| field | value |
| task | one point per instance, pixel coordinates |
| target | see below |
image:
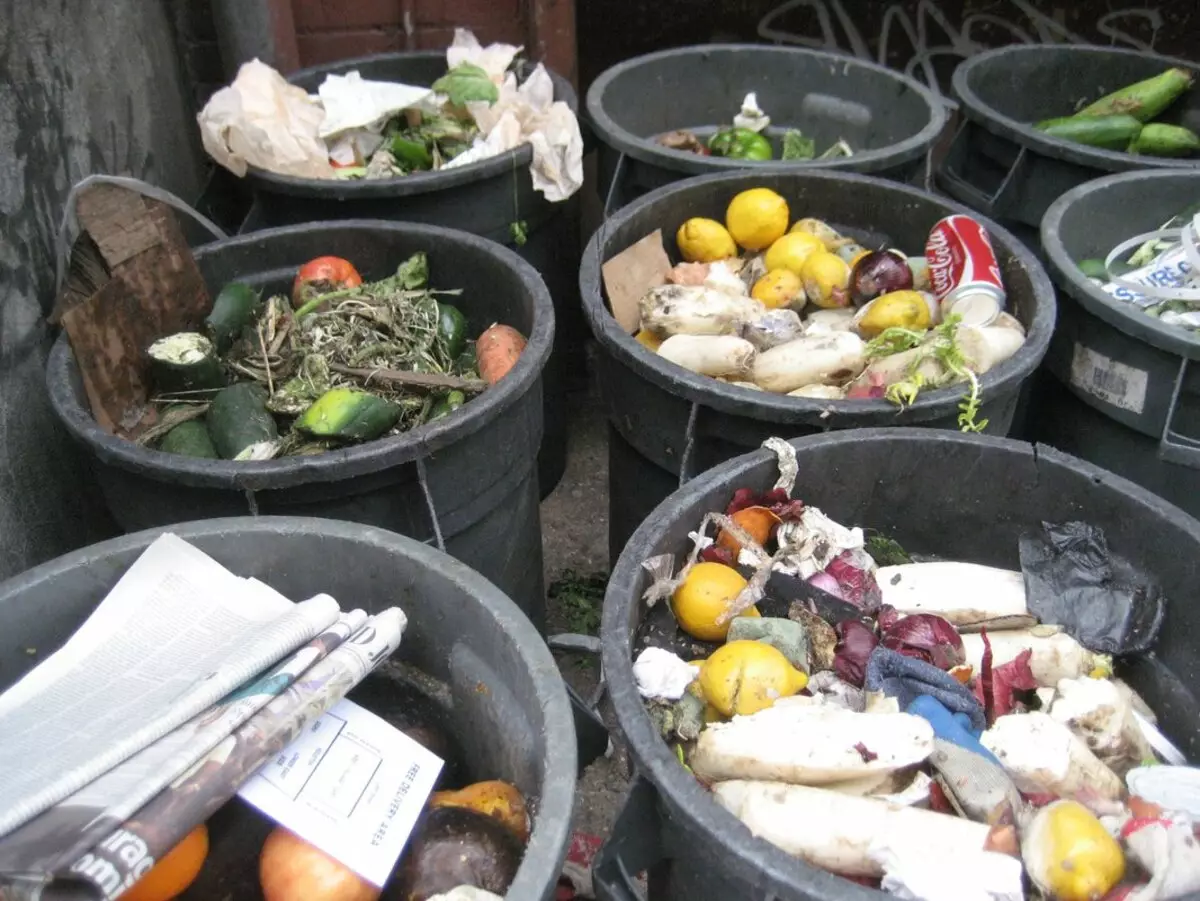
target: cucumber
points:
(238, 418)
(232, 312)
(191, 439)
(452, 329)
(1145, 99)
(1108, 132)
(348, 415)
(467, 365)
(447, 404)
(184, 363)
(1159, 139)
(1094, 269)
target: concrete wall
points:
(84, 87)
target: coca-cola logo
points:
(940, 257)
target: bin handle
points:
(988, 204)
(1174, 447)
(613, 193)
(635, 844)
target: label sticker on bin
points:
(1112, 382)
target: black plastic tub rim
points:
(648, 150)
(734, 399)
(555, 799)
(341, 463)
(1122, 316)
(622, 612)
(1057, 148)
(510, 161)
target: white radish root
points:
(713, 355)
(819, 359)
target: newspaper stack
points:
(177, 689)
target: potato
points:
(811, 360)
(713, 355)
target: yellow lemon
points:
(757, 218)
(648, 339)
(790, 251)
(830, 238)
(744, 677)
(778, 288)
(826, 277)
(705, 594)
(704, 241)
(898, 309)
(1070, 855)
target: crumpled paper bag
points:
(523, 114)
(261, 120)
(356, 111)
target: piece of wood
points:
(415, 379)
(633, 272)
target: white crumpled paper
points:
(523, 114)
(661, 675)
(911, 872)
(261, 120)
(356, 111)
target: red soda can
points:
(964, 274)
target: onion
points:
(856, 641)
(879, 272)
(927, 637)
(290, 869)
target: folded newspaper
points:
(184, 681)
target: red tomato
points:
(321, 275)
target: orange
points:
(758, 522)
(173, 873)
(705, 594)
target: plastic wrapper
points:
(909, 871)
(833, 691)
(1073, 580)
(1169, 852)
(1175, 788)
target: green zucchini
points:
(452, 329)
(1107, 132)
(232, 313)
(184, 363)
(348, 415)
(238, 418)
(447, 404)
(1160, 139)
(191, 439)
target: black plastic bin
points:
(506, 705)
(999, 165)
(484, 198)
(889, 120)
(962, 497)
(654, 406)
(1126, 387)
(478, 463)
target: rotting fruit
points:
(705, 594)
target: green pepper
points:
(413, 154)
(452, 329)
(740, 144)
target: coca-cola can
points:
(964, 274)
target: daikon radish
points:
(1008, 320)
(773, 328)
(1055, 655)
(822, 392)
(811, 745)
(899, 367)
(709, 354)
(834, 831)
(969, 595)
(819, 359)
(824, 322)
(986, 348)
(1042, 756)
(690, 310)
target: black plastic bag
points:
(1073, 580)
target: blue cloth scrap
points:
(907, 678)
(952, 727)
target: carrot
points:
(497, 351)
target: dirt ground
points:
(575, 543)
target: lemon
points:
(898, 309)
(705, 594)
(826, 277)
(704, 241)
(790, 251)
(778, 288)
(824, 232)
(744, 677)
(648, 339)
(1069, 853)
(757, 218)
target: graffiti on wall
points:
(925, 42)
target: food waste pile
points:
(936, 728)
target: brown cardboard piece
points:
(633, 272)
(154, 290)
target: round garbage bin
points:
(667, 423)
(468, 480)
(1001, 166)
(1126, 395)
(485, 198)
(889, 120)
(503, 700)
(952, 496)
